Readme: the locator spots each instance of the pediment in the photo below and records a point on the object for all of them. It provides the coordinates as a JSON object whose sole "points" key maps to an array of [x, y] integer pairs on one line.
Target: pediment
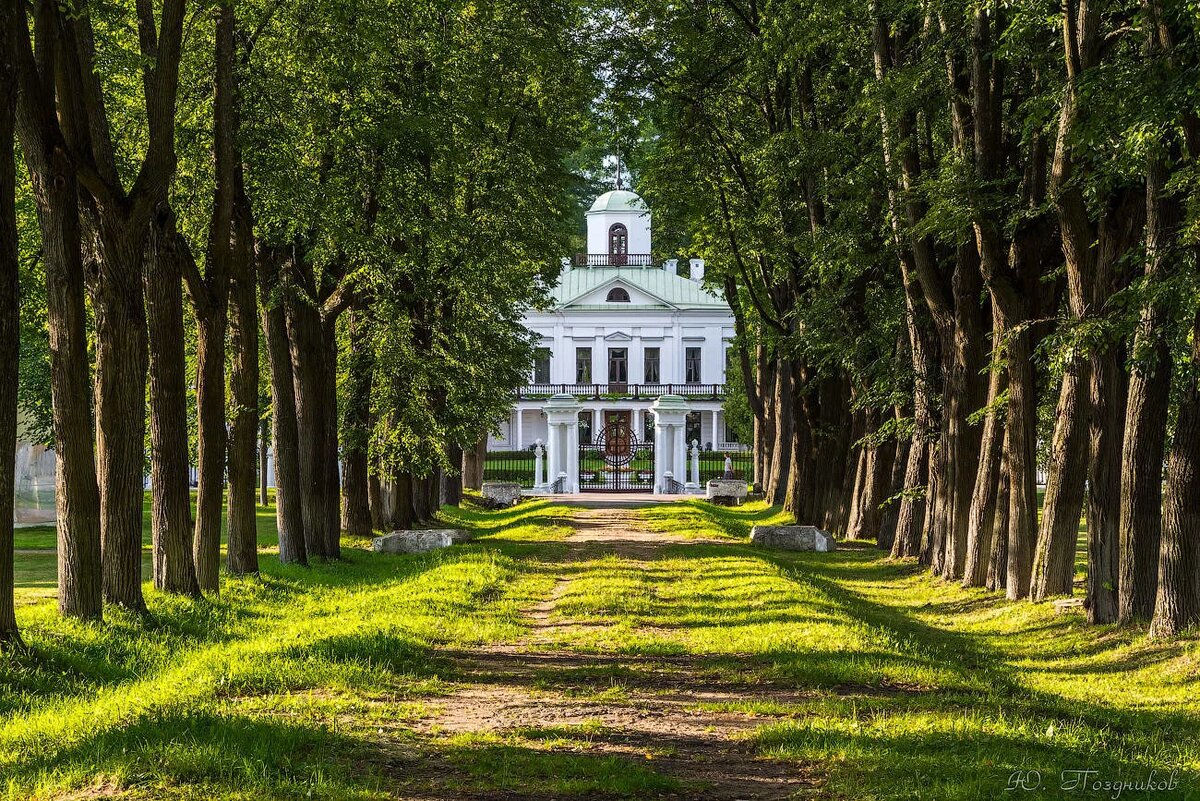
{"points": [[618, 336]]}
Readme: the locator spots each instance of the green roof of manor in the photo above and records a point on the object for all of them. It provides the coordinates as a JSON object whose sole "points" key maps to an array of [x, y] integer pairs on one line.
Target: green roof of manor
{"points": [[668, 290], [619, 200]]}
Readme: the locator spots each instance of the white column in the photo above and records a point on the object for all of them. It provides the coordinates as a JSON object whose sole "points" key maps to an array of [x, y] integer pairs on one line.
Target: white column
{"points": [[519, 436], [562, 418], [716, 442], [553, 453], [679, 454], [670, 413]]}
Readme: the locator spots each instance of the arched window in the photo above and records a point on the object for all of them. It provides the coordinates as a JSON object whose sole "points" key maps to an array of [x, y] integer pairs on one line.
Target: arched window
{"points": [[617, 295], [618, 243]]}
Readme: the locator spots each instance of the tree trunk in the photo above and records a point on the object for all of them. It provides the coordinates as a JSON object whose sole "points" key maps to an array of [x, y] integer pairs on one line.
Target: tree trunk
{"points": [[284, 435], [333, 511], [781, 450], [76, 494], [243, 384], [308, 371], [910, 518], [472, 465], [891, 512], [875, 486], [375, 494], [1146, 416], [212, 441], [170, 509], [121, 366], [264, 444], [997, 569], [452, 479], [982, 515], [1104, 484], [10, 334], [1177, 605], [1022, 463], [1054, 558], [356, 505]]}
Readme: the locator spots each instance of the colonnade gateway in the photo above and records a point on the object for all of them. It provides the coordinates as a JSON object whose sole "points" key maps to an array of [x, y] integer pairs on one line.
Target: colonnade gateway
{"points": [[628, 385]]}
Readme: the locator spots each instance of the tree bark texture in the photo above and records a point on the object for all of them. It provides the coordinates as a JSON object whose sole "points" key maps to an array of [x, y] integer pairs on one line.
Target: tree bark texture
{"points": [[170, 497], [121, 367], [1054, 557], [10, 331], [307, 345], [982, 514], [284, 433], [1177, 604], [56, 191], [356, 505], [242, 555]]}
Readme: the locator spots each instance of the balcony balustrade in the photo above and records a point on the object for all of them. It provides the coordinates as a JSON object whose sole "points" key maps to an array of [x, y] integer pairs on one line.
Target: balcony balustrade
{"points": [[613, 260], [614, 390]]}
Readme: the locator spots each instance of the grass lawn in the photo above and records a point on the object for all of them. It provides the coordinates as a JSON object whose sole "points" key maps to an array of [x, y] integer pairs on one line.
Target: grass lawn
{"points": [[37, 537], [879, 680]]}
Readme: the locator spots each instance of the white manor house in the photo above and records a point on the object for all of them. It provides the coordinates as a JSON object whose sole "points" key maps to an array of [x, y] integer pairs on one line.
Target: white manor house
{"points": [[622, 333]]}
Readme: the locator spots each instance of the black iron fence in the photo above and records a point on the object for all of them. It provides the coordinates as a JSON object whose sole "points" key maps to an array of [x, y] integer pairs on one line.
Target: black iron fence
{"points": [[514, 466], [712, 465]]}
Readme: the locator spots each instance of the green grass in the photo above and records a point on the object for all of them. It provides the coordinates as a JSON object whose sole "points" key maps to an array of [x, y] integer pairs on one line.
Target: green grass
{"points": [[306, 682], [43, 537]]}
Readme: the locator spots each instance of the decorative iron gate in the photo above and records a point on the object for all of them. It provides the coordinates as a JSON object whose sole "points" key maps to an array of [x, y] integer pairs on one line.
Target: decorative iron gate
{"points": [[616, 461]]}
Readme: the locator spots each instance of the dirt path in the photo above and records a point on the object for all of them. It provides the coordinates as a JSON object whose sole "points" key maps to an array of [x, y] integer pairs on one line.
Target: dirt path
{"points": [[529, 687]]}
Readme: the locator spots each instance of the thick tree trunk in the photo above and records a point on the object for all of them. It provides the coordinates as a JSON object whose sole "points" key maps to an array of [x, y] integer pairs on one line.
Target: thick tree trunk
{"points": [[170, 508], [452, 485], [1146, 416], [781, 441], [1177, 605], [308, 370], [121, 366], [76, 494], [1104, 484], [10, 334], [1054, 558], [982, 514], [356, 504], [284, 435], [1022, 464], [473, 462], [243, 384]]}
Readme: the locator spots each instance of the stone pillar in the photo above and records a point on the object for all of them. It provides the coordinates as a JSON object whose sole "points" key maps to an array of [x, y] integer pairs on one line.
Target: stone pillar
{"points": [[562, 419], [538, 453], [694, 483], [670, 416]]}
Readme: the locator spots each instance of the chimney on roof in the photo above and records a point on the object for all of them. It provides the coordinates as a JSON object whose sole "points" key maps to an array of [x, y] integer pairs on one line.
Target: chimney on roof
{"points": [[671, 266], [696, 269]]}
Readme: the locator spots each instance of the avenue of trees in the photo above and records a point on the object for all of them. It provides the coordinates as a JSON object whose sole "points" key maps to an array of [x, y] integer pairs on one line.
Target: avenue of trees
{"points": [[305, 225], [960, 241]]}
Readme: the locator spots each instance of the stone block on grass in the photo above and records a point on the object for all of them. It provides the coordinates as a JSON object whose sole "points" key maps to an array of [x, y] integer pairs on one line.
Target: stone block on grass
{"points": [[419, 541], [792, 538]]}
